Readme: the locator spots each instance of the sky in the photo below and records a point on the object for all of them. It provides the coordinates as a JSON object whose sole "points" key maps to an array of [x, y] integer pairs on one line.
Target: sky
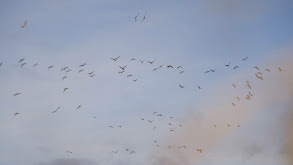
{"points": [[199, 35]]}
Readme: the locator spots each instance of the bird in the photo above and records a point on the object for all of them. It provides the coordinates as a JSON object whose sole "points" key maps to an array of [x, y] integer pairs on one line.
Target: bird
{"points": [[115, 151], [238, 125], [23, 64], [172, 129], [171, 117], [120, 72], [65, 89], [169, 66], [115, 59], [259, 77], [80, 70], [135, 18], [21, 60], [280, 69], [82, 65], [150, 121], [126, 149], [36, 64], [56, 110], [160, 115], [64, 68], [248, 97], [79, 107], [256, 67], [259, 73], [234, 85], [233, 104], [132, 59], [199, 87], [130, 75], [170, 124], [91, 72], [69, 70], [154, 113], [69, 152], [213, 70], [267, 70], [181, 86], [179, 67], [141, 61], [142, 118], [24, 24], [92, 75], [17, 113], [227, 65], [248, 84], [50, 67], [154, 128], [123, 68], [132, 152], [158, 67], [244, 58], [236, 67], [119, 126], [207, 72], [151, 62], [169, 147], [215, 125], [238, 98], [64, 77], [199, 150], [0, 64], [184, 147], [250, 94], [144, 17], [228, 125], [134, 80], [16, 94]]}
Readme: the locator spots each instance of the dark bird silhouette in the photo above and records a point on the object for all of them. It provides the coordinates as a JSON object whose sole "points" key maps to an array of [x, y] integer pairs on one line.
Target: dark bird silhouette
{"points": [[150, 121], [199, 87], [23, 64], [132, 59], [141, 61], [135, 18], [158, 67], [56, 110], [244, 59], [236, 67], [65, 89], [81, 70], [0, 64], [91, 72], [120, 72], [234, 85], [17, 113], [82, 65], [69, 70], [79, 107], [64, 68], [267, 70], [16, 94], [64, 77], [280, 69], [181, 86], [169, 66], [151, 62], [21, 60], [144, 17], [179, 67], [50, 67], [256, 67], [36, 64], [129, 75], [24, 24], [123, 68], [134, 80], [227, 65], [115, 59], [199, 150]]}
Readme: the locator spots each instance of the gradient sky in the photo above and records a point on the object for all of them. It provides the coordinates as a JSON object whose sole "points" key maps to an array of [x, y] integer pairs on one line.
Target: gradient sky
{"points": [[199, 35]]}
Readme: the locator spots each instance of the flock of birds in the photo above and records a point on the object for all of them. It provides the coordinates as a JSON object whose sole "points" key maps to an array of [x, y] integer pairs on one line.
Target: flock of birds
{"points": [[123, 68]]}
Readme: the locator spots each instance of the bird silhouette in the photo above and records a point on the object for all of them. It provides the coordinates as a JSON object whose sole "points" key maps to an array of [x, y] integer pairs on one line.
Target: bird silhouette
{"points": [[36, 64], [16, 94], [158, 67], [23, 64], [120, 72], [132, 59], [169, 66], [181, 72], [199, 150], [82, 65], [56, 110], [280, 69], [65, 89], [123, 68], [267, 70], [24, 24], [244, 59], [181, 86], [236, 67], [115, 59], [81, 70], [130, 75], [135, 18], [227, 65], [151, 62], [64, 77], [50, 67], [256, 67], [199, 87], [91, 72], [141, 61], [21, 60], [79, 107], [17, 113], [234, 85], [64, 68]]}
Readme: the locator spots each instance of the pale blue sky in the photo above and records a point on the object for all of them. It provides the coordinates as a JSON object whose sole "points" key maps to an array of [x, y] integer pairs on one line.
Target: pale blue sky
{"points": [[199, 35]]}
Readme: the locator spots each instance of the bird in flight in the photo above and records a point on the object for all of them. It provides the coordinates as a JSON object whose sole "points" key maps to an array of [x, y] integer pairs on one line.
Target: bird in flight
{"points": [[0, 64], [64, 68], [120, 72], [17, 113], [69, 70], [151, 62], [259, 77], [134, 80], [169, 66], [132, 152], [142, 118], [50, 67], [244, 59], [179, 67], [228, 125], [82, 65], [238, 125], [213, 70], [21, 60], [199, 150], [280, 69], [16, 94], [215, 126], [56, 110], [91, 72], [135, 18], [123, 68], [250, 94], [130, 75], [69, 152], [119, 126], [234, 85], [150, 121], [238, 98], [23, 64], [64, 77], [199, 87], [144, 17], [92, 75], [227, 65], [132, 59], [115, 59], [81, 70], [79, 107], [256, 67], [115, 151], [154, 113], [236, 67], [158, 67], [233, 104], [111, 126], [181, 86], [36, 64], [267, 70], [248, 84], [24, 24], [65, 89]]}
